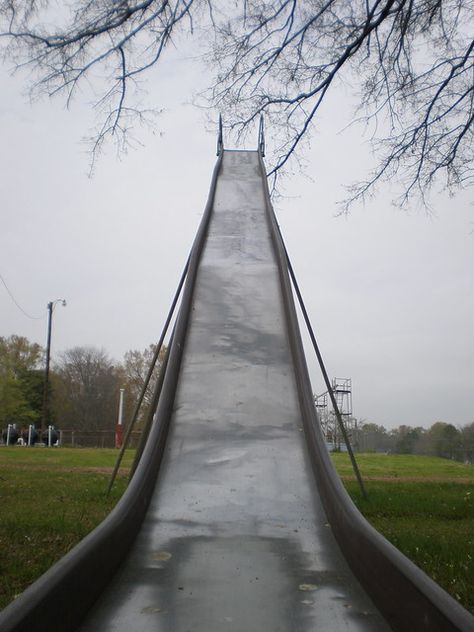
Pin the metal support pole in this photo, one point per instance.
(45, 417)
(329, 388)
(220, 138)
(148, 377)
(44, 421)
(261, 136)
(119, 426)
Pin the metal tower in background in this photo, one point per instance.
(342, 388)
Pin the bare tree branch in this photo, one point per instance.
(412, 63)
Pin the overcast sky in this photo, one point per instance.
(390, 292)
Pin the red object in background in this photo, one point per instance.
(118, 435)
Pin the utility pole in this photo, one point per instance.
(119, 425)
(45, 418)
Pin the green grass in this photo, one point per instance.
(50, 499)
(404, 466)
(425, 507)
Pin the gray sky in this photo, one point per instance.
(390, 292)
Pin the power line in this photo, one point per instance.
(17, 304)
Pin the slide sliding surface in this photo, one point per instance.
(235, 537)
(244, 519)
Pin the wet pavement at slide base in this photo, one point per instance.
(236, 538)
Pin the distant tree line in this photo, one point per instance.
(441, 439)
(84, 393)
(84, 385)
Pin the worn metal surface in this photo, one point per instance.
(236, 537)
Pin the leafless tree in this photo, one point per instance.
(86, 389)
(411, 61)
(104, 45)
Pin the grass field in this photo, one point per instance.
(425, 507)
(51, 499)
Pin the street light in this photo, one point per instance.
(51, 306)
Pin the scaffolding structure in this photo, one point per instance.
(342, 389)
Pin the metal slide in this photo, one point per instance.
(245, 526)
